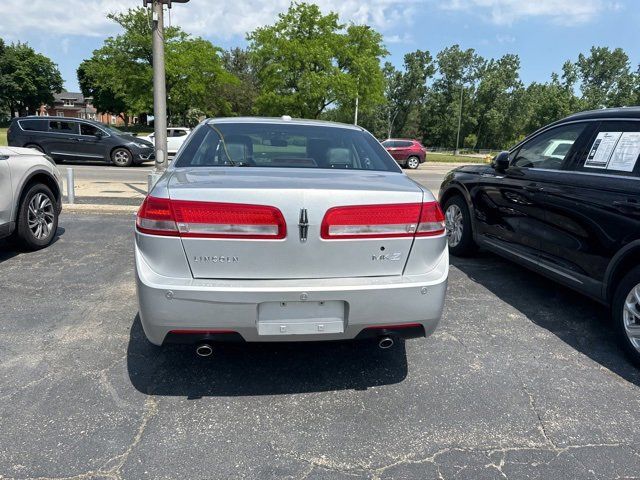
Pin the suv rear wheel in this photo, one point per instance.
(121, 157)
(458, 224)
(413, 162)
(626, 313)
(37, 217)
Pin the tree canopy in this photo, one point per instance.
(27, 79)
(119, 75)
(310, 64)
(307, 62)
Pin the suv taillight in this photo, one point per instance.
(184, 218)
(383, 221)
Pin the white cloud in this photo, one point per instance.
(211, 18)
(559, 12)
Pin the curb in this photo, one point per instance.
(99, 208)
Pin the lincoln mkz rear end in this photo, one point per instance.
(267, 230)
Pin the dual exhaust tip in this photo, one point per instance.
(205, 350)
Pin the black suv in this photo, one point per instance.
(64, 138)
(564, 202)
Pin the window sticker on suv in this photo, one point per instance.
(614, 151)
(626, 153)
(602, 149)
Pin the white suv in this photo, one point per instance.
(175, 138)
(30, 197)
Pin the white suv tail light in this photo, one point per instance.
(161, 216)
(383, 221)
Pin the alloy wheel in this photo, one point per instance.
(454, 224)
(40, 216)
(121, 157)
(413, 163)
(631, 317)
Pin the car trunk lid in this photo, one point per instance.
(303, 197)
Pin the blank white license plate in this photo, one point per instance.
(300, 318)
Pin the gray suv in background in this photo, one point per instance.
(64, 138)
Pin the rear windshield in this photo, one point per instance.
(33, 125)
(282, 145)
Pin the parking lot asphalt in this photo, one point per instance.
(522, 379)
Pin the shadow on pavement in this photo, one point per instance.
(9, 249)
(582, 323)
(261, 369)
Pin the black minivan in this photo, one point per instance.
(564, 202)
(64, 138)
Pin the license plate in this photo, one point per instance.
(300, 318)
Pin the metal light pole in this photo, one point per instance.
(459, 120)
(159, 86)
(355, 117)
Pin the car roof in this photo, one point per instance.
(283, 121)
(605, 113)
(66, 119)
(402, 139)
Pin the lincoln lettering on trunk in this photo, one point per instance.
(216, 259)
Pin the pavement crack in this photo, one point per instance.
(534, 409)
(111, 469)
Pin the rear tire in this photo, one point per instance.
(121, 157)
(37, 218)
(625, 310)
(413, 162)
(459, 230)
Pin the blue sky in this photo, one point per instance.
(544, 33)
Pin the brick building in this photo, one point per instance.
(76, 105)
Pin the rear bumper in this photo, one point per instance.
(228, 310)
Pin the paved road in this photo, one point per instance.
(521, 380)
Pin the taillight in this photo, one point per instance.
(431, 220)
(155, 217)
(382, 221)
(213, 220)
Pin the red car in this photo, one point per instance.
(408, 153)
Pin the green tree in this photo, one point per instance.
(606, 79)
(405, 90)
(119, 75)
(458, 73)
(241, 95)
(307, 62)
(498, 103)
(27, 79)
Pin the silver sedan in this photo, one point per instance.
(266, 230)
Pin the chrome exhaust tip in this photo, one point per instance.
(385, 343)
(204, 350)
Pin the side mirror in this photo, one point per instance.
(501, 161)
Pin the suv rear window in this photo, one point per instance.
(284, 146)
(33, 125)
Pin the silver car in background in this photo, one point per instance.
(30, 197)
(266, 230)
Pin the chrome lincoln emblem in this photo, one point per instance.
(303, 225)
